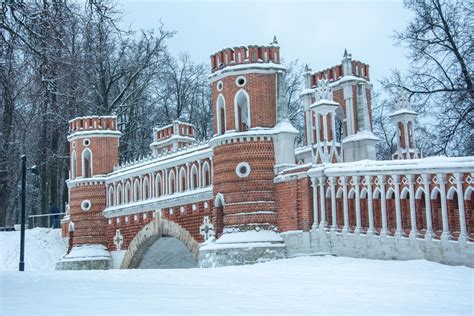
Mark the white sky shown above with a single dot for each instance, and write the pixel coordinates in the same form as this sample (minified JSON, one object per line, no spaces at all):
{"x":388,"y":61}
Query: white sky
{"x":315,"y":32}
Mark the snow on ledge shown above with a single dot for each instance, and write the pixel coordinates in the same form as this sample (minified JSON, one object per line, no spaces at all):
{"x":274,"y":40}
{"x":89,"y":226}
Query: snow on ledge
{"x":251,"y":236}
{"x":362,"y":135}
{"x":87,"y":252}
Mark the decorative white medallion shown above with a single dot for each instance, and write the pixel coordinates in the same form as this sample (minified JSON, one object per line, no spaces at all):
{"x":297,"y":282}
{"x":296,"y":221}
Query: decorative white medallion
{"x":86,"y":142}
{"x":220,"y":86}
{"x":243,"y":169}
{"x":240,"y":81}
{"x":118,"y":240}
{"x":86,"y":205}
{"x":207,"y":229}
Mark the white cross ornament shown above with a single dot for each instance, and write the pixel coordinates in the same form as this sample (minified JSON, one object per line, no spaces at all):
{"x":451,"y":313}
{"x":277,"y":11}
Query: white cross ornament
{"x":207,"y":229}
{"x":118,"y":240}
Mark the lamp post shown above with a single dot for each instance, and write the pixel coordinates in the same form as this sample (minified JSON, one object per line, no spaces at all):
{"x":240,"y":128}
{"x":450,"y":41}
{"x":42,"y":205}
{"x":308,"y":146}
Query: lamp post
{"x":23,"y":209}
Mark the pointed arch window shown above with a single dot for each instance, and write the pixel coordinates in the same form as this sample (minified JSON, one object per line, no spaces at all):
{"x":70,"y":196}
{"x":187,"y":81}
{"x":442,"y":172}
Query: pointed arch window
{"x":206,"y":175}
{"x":136,"y":191}
{"x":221,"y":125}
{"x":182,"y":180}
{"x":242,"y":111}
{"x":73,"y":165}
{"x":87,"y":163}
{"x":145,"y":189}
{"x":194,"y":178}
{"x":127,"y":197}
{"x":119,"y":194}
{"x":172,"y":182}
{"x":158,"y":186}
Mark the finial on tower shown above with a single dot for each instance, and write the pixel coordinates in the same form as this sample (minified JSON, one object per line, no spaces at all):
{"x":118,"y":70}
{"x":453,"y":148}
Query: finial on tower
{"x":403,"y":102}
{"x":275,"y":41}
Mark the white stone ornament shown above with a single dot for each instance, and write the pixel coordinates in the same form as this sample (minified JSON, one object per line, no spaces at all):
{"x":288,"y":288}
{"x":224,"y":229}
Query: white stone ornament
{"x":323,"y":91}
{"x":118,"y":240}
{"x":403,"y":102}
{"x":206,"y":230}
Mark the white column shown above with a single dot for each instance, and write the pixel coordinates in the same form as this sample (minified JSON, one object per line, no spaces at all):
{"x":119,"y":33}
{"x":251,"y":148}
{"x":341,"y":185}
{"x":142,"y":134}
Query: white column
{"x":345,"y":229}
{"x":323,"y":223}
{"x":429,"y":224}
{"x":399,"y":145}
{"x":314,"y":184}
{"x":316,"y":121}
{"x":309,"y":127}
{"x":411,"y":187}
{"x":462,"y":216}
{"x":333,"y":204}
{"x":383,"y":207}
{"x":413,"y":139}
{"x":370,"y":205}
{"x":446,"y":234}
{"x":333,"y":126}
{"x":407,"y":143}
{"x":357,"y":206}
{"x":325,"y":126}
{"x":398,"y":213}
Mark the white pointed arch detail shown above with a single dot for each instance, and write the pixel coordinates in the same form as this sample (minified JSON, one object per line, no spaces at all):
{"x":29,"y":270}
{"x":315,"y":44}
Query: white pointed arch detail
{"x":390,"y":193}
{"x":435,"y":193}
{"x":377,"y":192}
{"x":363,"y":193}
{"x":328,"y":192}
{"x":158,"y":185}
{"x":182,"y":180}
{"x":220,"y":106}
{"x":351,"y":194}
{"x":339,"y":193}
{"x":450,"y":193}
{"x":206,"y":174}
{"x":468,"y":193}
{"x":194,"y":178}
{"x":136,"y":190}
{"x":405,"y":192}
{"x":111,"y":195}
{"x":242,"y":116}
{"x":171,"y":182}
{"x":145,"y":188}
{"x":419,"y":192}
{"x":126,"y":197}
{"x":219,"y":200}
{"x":119,"y":194}
{"x":87,"y":171}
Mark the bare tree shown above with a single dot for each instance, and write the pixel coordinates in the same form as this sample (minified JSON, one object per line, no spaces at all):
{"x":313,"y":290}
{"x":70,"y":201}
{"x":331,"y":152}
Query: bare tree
{"x":440,"y":41}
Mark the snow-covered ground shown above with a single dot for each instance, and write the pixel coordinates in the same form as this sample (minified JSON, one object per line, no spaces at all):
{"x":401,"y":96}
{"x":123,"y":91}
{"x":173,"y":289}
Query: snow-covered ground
{"x":43,"y":247}
{"x":305,"y":285}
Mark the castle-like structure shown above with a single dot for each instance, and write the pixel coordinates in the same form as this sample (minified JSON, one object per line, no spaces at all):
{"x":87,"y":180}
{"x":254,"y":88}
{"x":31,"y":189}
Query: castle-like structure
{"x":248,"y":195}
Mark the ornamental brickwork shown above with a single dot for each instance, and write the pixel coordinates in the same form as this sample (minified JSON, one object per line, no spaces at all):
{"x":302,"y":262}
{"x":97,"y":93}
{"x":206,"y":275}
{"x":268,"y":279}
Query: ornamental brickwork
{"x":248,"y":195}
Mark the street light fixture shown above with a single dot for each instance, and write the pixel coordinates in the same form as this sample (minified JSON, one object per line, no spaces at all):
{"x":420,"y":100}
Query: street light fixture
{"x":34,"y":170}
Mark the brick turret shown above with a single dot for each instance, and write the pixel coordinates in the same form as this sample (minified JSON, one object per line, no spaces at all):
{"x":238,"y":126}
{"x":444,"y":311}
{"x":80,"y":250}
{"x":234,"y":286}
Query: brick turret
{"x":94,"y":152}
{"x":250,"y":128}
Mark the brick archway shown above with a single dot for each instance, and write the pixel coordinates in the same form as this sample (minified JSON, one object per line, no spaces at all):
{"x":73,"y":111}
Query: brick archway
{"x":151,"y":233}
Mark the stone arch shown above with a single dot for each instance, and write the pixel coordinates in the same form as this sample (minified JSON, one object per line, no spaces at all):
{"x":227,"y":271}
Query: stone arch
{"x":339,"y":193}
{"x":145,"y":188}
{"x":126,"y":196}
{"x":194,"y":178}
{"x":158,"y":185}
{"x":136,"y":191}
{"x":150,"y":233}
{"x":111,"y":195}
{"x":119,"y":194}
{"x":404,"y":194}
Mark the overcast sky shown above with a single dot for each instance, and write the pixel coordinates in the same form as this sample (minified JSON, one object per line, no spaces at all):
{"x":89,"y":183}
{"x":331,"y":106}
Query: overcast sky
{"x":315,"y":32}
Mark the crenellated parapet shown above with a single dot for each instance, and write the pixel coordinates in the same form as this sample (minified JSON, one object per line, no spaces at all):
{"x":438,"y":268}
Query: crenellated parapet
{"x":252,"y":54}
{"x":93,"y":123}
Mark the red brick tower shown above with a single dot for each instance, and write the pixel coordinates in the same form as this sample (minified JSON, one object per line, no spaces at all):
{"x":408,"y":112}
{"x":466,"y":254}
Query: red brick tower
{"x":94,"y":145}
{"x":252,"y":140}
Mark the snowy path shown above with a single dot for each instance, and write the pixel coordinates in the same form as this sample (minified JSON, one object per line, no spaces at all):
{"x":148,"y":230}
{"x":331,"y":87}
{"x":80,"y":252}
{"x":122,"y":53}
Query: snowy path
{"x":308,"y":285}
